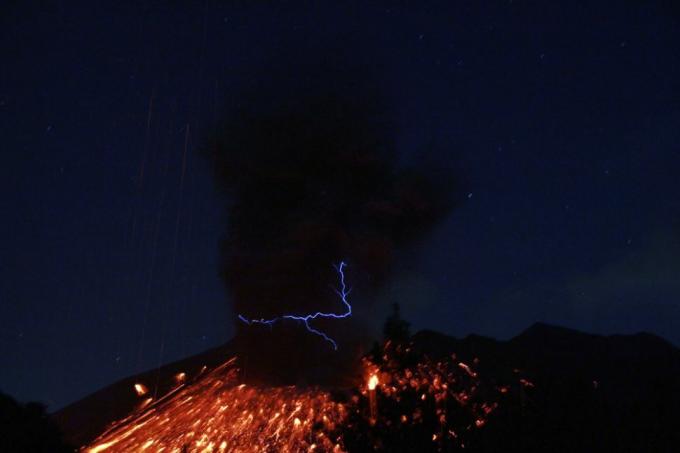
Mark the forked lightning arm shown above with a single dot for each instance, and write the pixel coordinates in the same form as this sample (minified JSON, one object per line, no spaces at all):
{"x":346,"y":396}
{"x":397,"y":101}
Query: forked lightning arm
{"x":343,"y":292}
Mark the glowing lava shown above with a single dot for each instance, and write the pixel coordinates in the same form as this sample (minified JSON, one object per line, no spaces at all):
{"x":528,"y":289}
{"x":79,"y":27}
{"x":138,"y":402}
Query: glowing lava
{"x":215,"y":414}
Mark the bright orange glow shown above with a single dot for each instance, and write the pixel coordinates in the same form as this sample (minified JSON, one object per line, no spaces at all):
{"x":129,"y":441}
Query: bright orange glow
{"x":101,"y":447}
{"x":180,"y":377}
{"x":373,"y":382}
{"x":145,"y":403}
{"x":141,"y":389}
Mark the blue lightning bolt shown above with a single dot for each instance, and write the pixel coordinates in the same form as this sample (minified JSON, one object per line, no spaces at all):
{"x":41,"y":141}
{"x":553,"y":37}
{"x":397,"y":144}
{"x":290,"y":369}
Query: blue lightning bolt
{"x":343,"y":292}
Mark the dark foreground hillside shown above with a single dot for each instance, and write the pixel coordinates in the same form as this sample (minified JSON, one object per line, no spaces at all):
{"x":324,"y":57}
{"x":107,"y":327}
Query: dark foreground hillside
{"x":28,"y":428}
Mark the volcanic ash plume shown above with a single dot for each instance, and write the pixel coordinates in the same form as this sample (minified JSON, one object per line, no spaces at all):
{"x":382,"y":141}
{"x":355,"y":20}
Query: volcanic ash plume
{"x":310,"y":178}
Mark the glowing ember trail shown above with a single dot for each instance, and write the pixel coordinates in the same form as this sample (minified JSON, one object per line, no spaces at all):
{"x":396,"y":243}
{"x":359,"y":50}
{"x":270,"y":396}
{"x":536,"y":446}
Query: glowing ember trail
{"x":372,"y":382}
{"x":343,"y":292}
{"x":141,"y":389}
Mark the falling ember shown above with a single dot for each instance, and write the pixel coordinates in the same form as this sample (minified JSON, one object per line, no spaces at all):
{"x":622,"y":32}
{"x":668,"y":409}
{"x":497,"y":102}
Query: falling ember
{"x":145,"y":403}
{"x":372,"y":384}
{"x":526,"y":383}
{"x":141,"y":389}
{"x":467,"y":369}
{"x":101,"y":447}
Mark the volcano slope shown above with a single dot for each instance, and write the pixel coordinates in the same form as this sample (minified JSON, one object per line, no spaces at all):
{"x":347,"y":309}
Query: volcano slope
{"x":548,"y":388}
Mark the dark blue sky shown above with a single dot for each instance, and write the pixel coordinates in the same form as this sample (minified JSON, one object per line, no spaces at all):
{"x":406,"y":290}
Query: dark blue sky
{"x":561,"y":123}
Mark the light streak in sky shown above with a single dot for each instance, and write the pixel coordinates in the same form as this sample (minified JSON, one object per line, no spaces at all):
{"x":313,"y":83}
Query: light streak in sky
{"x":343,"y":292}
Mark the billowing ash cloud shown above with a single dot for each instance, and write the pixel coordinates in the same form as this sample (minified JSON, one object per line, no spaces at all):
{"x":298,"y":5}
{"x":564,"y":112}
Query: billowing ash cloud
{"x":310,"y":177}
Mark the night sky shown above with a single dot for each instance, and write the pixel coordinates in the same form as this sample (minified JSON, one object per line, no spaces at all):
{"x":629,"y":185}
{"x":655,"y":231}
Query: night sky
{"x":560,"y":126}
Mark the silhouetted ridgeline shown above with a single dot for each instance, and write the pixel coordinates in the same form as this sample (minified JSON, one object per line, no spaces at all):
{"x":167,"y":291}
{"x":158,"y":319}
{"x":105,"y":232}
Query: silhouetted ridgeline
{"x":28,"y":428}
{"x":591,"y":392}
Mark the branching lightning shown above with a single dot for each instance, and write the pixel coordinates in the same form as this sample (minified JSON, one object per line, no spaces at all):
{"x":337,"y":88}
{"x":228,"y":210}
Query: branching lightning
{"x":343,"y":292}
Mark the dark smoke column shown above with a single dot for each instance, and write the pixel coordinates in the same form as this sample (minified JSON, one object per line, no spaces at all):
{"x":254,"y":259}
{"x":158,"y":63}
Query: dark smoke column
{"x":309,"y":177}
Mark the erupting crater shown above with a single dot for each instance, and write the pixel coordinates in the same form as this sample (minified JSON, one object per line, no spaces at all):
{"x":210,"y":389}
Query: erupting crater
{"x":403,"y":399}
